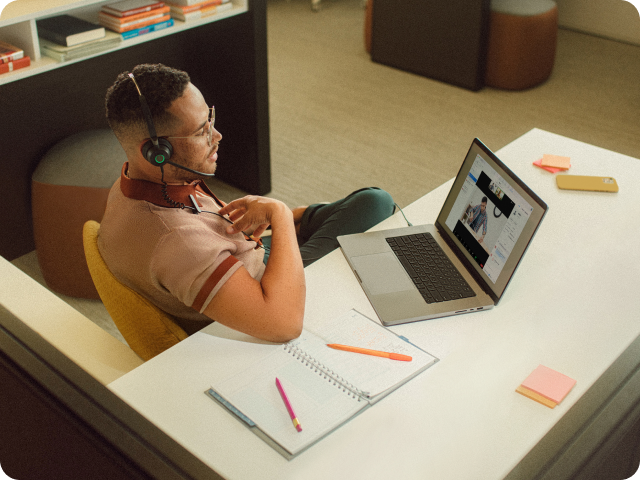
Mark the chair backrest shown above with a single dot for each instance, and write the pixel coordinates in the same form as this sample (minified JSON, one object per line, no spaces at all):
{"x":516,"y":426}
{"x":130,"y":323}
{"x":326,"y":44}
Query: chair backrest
{"x":147,"y":329}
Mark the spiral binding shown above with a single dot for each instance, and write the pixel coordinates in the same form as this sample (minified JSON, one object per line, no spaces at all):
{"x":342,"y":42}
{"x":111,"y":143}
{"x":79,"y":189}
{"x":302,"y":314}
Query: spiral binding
{"x":325,"y":371}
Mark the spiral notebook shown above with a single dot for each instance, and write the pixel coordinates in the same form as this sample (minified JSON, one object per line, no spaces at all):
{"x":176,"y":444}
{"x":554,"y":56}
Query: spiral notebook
{"x":326,"y":387}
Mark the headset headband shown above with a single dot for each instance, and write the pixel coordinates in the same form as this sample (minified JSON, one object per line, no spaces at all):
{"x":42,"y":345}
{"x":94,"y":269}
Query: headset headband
{"x":146,"y":112}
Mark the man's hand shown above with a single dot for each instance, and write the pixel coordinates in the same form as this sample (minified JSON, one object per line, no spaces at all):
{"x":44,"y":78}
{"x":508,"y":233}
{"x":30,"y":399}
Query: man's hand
{"x":253,"y":213}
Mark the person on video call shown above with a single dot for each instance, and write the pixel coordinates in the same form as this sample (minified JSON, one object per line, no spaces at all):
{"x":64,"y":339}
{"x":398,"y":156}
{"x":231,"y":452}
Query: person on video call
{"x":209,"y":266}
{"x":478,"y":217}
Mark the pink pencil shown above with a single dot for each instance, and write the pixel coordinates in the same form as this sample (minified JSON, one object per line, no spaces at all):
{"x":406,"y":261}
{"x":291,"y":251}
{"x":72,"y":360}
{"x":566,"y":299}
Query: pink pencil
{"x":296,"y":422}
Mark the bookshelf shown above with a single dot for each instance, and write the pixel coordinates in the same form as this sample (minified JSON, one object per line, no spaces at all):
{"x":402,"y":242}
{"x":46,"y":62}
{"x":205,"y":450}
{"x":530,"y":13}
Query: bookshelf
{"x":18,"y":26}
{"x":225,"y":55}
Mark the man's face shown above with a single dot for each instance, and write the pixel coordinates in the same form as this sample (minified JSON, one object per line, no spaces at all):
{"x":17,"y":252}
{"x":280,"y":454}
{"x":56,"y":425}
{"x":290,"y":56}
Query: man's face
{"x":483,"y":206}
{"x":195,"y":152}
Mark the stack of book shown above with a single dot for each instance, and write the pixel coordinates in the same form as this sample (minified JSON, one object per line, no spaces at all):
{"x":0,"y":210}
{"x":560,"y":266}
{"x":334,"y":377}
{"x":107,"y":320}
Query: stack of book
{"x":12,"y":58}
{"x":132,"y":18}
{"x":66,"y":38}
{"x":187,"y":10}
{"x":61,"y":53}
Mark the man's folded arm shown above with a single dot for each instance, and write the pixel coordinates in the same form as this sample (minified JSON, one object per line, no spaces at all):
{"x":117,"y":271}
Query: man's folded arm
{"x":242,"y":304}
{"x":273,"y":308}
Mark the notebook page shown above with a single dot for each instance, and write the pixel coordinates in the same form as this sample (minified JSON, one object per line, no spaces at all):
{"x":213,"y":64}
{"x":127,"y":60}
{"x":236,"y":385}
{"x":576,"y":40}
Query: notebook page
{"x":372,"y":375}
{"x":320,"y":405}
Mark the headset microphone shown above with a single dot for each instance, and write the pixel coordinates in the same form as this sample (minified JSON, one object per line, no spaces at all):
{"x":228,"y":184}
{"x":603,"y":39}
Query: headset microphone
{"x":158,"y":151}
{"x":188,"y":169}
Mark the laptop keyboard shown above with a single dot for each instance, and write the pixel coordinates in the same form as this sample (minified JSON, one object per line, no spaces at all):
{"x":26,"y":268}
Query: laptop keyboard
{"x":429,"y":268}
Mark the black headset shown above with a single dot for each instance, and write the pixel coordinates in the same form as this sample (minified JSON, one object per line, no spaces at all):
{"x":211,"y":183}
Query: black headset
{"x":157,"y":151}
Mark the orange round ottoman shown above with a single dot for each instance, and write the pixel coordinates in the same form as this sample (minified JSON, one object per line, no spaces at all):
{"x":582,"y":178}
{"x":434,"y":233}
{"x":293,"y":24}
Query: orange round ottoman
{"x":522,"y":43}
{"x":69,"y":187}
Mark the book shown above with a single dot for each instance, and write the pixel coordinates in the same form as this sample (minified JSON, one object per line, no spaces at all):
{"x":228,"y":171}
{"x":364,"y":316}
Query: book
{"x":188,"y":3}
{"x":9,"y":52}
{"x":62,"y":53}
{"x":202,"y":12}
{"x":15,"y":65}
{"x":115,"y":20}
{"x":131,"y":7}
{"x":148,"y":29}
{"x":182,"y":9}
{"x":125,"y":27}
{"x":68,"y":31}
{"x":326,"y":387}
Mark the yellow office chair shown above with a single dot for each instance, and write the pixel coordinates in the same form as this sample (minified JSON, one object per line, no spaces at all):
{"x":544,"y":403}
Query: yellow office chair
{"x":147,"y":329}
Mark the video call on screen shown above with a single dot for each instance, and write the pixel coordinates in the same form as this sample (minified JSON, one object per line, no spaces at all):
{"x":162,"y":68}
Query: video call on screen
{"x":503,"y":203}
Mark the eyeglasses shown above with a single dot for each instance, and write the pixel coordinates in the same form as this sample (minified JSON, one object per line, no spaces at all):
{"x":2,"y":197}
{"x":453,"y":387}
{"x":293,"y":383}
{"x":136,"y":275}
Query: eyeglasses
{"x":206,"y":132}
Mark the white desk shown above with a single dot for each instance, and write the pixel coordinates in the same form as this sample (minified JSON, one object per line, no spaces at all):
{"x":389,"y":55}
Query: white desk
{"x":573,"y":306}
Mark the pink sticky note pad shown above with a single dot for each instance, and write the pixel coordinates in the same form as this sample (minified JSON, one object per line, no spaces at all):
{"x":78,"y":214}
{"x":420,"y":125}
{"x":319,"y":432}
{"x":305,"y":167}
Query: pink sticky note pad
{"x":556,"y":161}
{"x":538,"y":163}
{"x":549,"y":383}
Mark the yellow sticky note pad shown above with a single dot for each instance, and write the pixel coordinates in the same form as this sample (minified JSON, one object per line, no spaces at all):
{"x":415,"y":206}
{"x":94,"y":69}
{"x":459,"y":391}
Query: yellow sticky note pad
{"x":538,"y":163}
{"x":548,"y":383}
{"x":534,"y":396}
{"x":556,"y":161}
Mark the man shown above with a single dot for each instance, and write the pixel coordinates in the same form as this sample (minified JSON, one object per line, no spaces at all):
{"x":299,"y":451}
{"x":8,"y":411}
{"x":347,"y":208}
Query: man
{"x":478,"y":217}
{"x":166,"y":235}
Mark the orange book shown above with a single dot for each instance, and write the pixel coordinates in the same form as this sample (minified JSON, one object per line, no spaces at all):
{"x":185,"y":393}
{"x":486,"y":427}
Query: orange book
{"x":132,"y":26}
{"x":15,"y":65}
{"x":201,"y":12}
{"x":9,"y":52}
{"x":112,"y":19}
{"x":192,"y":8}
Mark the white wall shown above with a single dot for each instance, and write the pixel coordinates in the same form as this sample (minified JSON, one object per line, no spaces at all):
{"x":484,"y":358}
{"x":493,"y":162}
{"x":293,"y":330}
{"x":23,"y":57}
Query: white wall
{"x":615,"y":19}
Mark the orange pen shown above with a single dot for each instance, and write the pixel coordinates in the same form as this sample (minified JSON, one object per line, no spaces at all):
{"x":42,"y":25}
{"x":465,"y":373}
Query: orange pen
{"x":366,"y":351}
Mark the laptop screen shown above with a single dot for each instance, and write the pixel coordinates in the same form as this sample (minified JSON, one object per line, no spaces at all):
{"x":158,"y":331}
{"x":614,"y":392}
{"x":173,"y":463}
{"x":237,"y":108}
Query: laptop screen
{"x":491,"y":216}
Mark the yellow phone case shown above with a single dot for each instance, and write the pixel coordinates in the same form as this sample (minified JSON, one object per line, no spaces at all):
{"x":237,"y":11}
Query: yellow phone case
{"x":583,"y":182}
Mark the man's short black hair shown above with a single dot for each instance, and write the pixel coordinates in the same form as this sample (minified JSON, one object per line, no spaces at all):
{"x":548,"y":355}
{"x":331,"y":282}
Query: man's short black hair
{"x":160,"y":85}
{"x":484,"y":200}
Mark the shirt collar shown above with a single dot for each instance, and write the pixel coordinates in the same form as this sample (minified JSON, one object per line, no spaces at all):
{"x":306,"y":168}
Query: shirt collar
{"x":152,"y":192}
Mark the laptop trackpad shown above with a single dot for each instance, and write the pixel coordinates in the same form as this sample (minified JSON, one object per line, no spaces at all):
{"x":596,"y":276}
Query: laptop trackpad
{"x":382,"y":273}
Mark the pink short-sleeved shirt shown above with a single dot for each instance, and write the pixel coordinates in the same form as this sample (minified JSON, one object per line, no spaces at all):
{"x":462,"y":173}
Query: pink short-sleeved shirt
{"x":177,"y":259}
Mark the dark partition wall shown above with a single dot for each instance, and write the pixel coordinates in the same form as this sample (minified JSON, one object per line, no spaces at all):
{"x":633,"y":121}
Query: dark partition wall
{"x":60,"y":423}
{"x":441,"y":39}
{"x":226,"y":60}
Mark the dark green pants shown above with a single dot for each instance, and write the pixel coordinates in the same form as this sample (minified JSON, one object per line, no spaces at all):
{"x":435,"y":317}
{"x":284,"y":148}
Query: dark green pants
{"x":323,"y":223}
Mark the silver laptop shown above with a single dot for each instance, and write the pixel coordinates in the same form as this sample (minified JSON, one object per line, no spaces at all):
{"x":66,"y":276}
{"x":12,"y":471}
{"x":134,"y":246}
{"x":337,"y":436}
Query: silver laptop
{"x":461,"y":264}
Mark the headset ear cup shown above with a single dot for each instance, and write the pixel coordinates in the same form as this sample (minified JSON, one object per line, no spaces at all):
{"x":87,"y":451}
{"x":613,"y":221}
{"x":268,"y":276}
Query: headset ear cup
{"x":157,"y":155}
{"x":146,"y":149}
{"x":166,"y":146}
